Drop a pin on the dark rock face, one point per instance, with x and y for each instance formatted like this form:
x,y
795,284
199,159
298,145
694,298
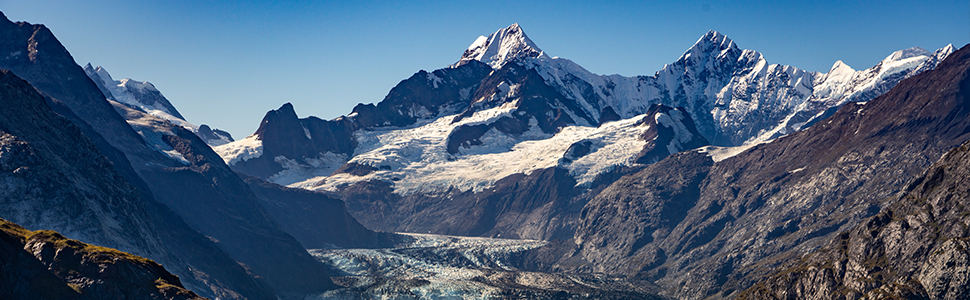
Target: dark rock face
x,y
206,193
536,99
917,248
208,133
45,265
542,204
355,169
423,95
285,135
231,214
314,219
640,208
609,115
761,207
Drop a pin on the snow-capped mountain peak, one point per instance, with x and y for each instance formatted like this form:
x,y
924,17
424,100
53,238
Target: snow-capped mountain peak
x,y
718,83
840,68
711,43
907,53
139,94
144,97
504,45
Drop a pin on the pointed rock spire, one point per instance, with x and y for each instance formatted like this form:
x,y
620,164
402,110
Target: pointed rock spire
x,y
504,45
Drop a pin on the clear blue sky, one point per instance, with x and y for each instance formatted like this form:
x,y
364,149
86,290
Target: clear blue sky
x,y
225,63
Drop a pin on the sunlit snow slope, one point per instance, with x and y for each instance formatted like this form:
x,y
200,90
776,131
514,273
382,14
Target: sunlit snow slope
x,y
143,96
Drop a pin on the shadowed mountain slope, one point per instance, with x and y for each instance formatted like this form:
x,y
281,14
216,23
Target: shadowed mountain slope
x,y
170,164
753,211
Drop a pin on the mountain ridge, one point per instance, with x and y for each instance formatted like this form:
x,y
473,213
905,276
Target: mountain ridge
x,y
55,177
505,97
143,95
761,207
159,157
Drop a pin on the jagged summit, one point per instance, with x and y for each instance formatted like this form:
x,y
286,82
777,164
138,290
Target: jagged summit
x,y
711,42
505,44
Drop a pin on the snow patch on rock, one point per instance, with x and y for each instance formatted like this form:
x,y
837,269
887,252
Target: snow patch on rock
x,y
294,171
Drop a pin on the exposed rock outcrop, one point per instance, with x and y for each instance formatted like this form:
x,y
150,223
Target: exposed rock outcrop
x,y
45,265
917,248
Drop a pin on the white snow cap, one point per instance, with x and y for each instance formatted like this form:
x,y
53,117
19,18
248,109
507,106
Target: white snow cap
x,y
504,45
840,69
907,53
708,43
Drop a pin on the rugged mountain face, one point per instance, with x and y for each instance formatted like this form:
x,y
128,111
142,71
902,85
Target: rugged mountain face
x,y
142,95
55,177
735,96
534,197
285,146
40,150
286,149
624,220
45,265
709,235
914,249
172,165
439,135
504,45
215,201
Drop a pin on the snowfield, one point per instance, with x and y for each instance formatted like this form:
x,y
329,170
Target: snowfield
x,y
241,150
417,161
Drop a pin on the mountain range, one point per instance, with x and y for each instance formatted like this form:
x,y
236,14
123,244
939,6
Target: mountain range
x,y
713,231
481,129
720,176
